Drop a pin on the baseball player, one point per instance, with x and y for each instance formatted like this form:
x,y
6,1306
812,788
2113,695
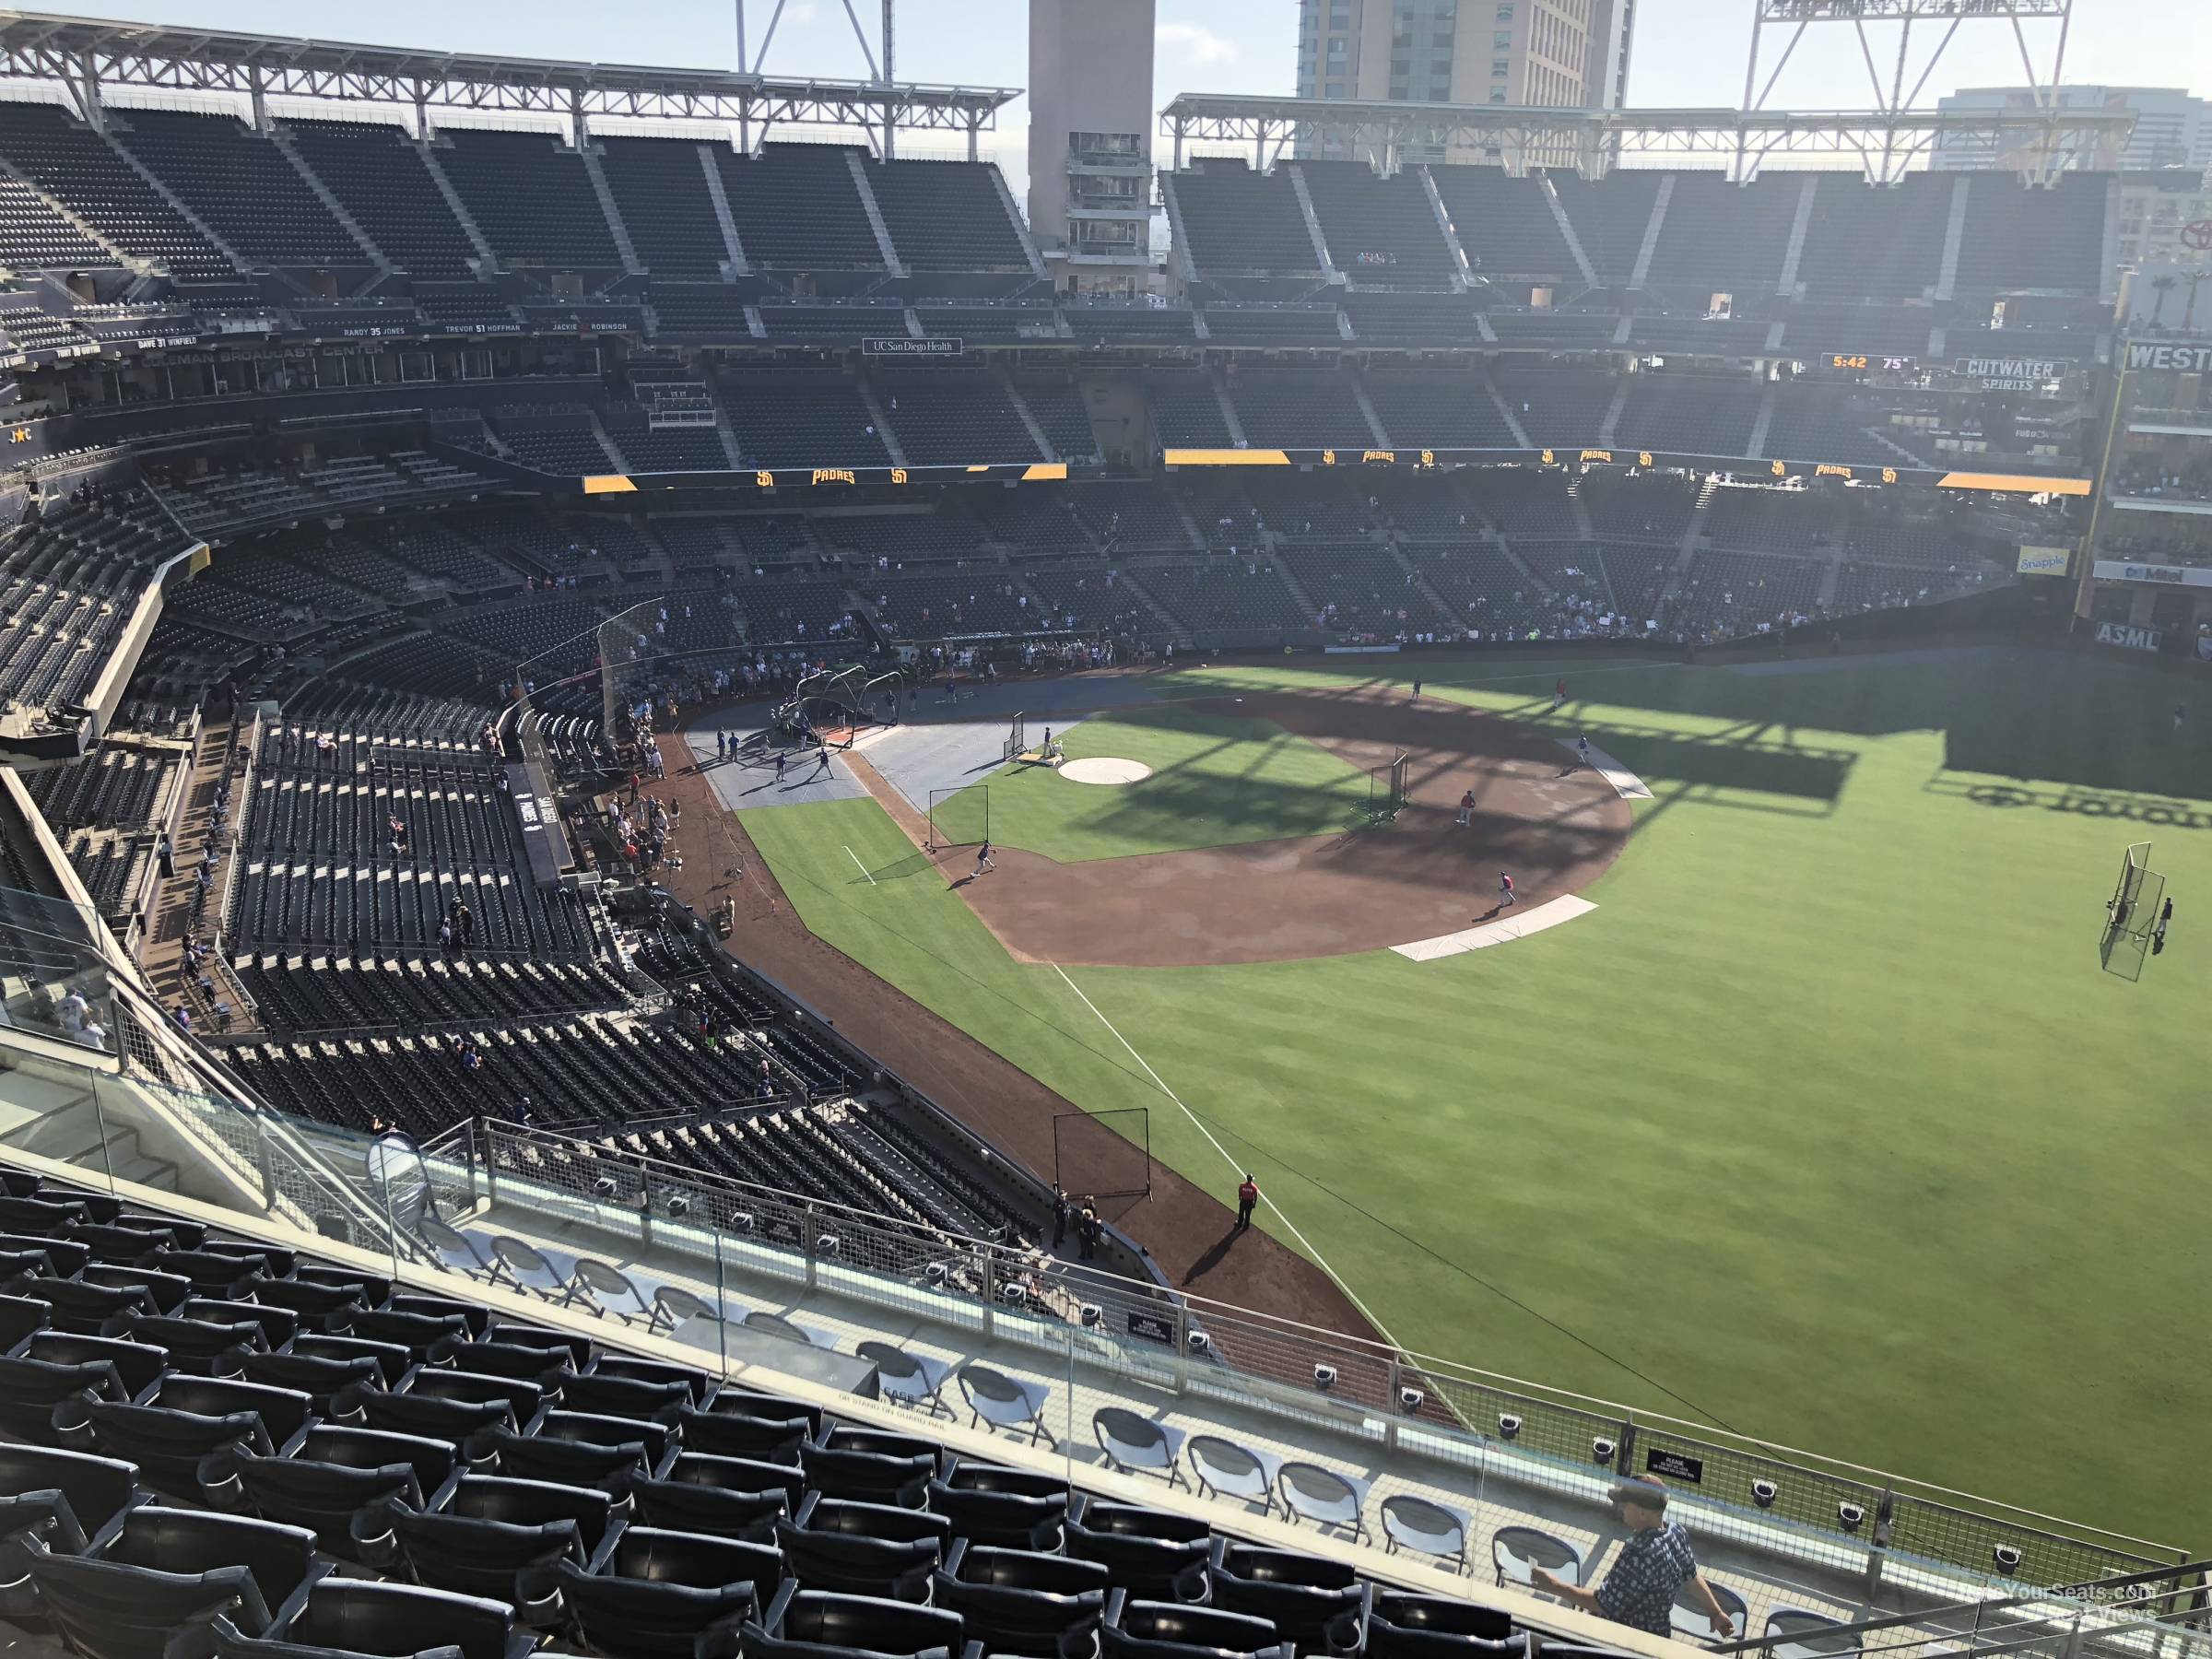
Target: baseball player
x,y
1581,748
1466,809
1505,890
1558,694
983,861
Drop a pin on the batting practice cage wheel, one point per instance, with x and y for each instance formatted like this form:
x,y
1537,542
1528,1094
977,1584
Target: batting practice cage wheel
x,y
2132,915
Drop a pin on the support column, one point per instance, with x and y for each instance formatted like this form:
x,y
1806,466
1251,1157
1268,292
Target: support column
x,y
89,106
890,114
579,134
259,94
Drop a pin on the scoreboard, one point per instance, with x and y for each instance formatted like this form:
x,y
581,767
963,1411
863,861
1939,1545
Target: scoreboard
x,y
1868,362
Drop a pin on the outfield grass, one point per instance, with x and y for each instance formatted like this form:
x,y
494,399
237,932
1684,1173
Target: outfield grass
x,y
1825,1126
1217,780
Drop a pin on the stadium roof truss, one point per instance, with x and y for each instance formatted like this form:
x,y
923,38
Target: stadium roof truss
x,y
1887,143
88,55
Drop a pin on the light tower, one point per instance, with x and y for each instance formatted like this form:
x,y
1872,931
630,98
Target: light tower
x,y
1874,22
879,64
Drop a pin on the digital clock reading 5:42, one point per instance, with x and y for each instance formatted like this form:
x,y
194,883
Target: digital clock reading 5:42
x,y
1865,361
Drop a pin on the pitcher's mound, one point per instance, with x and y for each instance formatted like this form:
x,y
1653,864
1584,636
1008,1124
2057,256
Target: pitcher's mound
x,y
1105,769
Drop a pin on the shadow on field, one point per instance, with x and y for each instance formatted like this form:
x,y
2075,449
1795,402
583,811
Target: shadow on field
x,y
900,869
2009,712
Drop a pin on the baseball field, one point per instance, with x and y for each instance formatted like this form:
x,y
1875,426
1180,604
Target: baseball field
x,y
1827,1124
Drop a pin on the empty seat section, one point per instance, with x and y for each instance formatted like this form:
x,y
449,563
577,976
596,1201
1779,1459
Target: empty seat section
x,y
34,237
955,418
946,216
244,188
1881,242
1377,230
1505,225
1689,414
796,207
1610,218
659,189
77,167
377,173
1300,408
530,195
1720,237
1439,411
2017,237
802,420
1242,222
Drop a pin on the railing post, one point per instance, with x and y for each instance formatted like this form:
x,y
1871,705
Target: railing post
x,y
264,1160
1390,1409
1877,1554
989,1278
644,1211
491,1165
806,1237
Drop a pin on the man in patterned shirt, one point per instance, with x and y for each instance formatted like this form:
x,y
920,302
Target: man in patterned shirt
x,y
1655,1563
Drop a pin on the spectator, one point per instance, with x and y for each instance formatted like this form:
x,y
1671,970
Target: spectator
x,y
1655,1563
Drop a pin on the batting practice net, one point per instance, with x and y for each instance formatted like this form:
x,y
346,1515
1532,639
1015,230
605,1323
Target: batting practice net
x,y
1386,789
2131,915
1103,1154
959,817
1017,741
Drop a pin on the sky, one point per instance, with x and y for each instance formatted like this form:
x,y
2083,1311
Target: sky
x,y
1688,52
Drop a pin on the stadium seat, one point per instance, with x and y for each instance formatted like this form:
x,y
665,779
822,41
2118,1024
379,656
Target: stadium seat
x,y
1517,1551
1427,1528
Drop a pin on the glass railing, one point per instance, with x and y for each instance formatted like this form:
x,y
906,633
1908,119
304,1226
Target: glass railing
x,y
1102,1372
53,971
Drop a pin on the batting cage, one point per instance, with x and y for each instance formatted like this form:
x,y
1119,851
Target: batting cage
x,y
1386,789
631,658
1103,1154
1017,738
2131,914
959,817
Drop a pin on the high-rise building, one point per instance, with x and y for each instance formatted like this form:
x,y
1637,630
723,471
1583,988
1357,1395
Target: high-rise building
x,y
1091,141
1555,52
2172,128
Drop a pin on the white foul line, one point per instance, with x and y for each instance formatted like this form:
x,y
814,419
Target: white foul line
x,y
1162,1084
863,868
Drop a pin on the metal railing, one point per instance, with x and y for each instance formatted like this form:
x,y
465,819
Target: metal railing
x,y
1113,1339
2124,1616
1863,1524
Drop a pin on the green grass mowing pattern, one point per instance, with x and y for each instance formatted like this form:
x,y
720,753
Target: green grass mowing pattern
x,y
1825,1126
901,919
1216,779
